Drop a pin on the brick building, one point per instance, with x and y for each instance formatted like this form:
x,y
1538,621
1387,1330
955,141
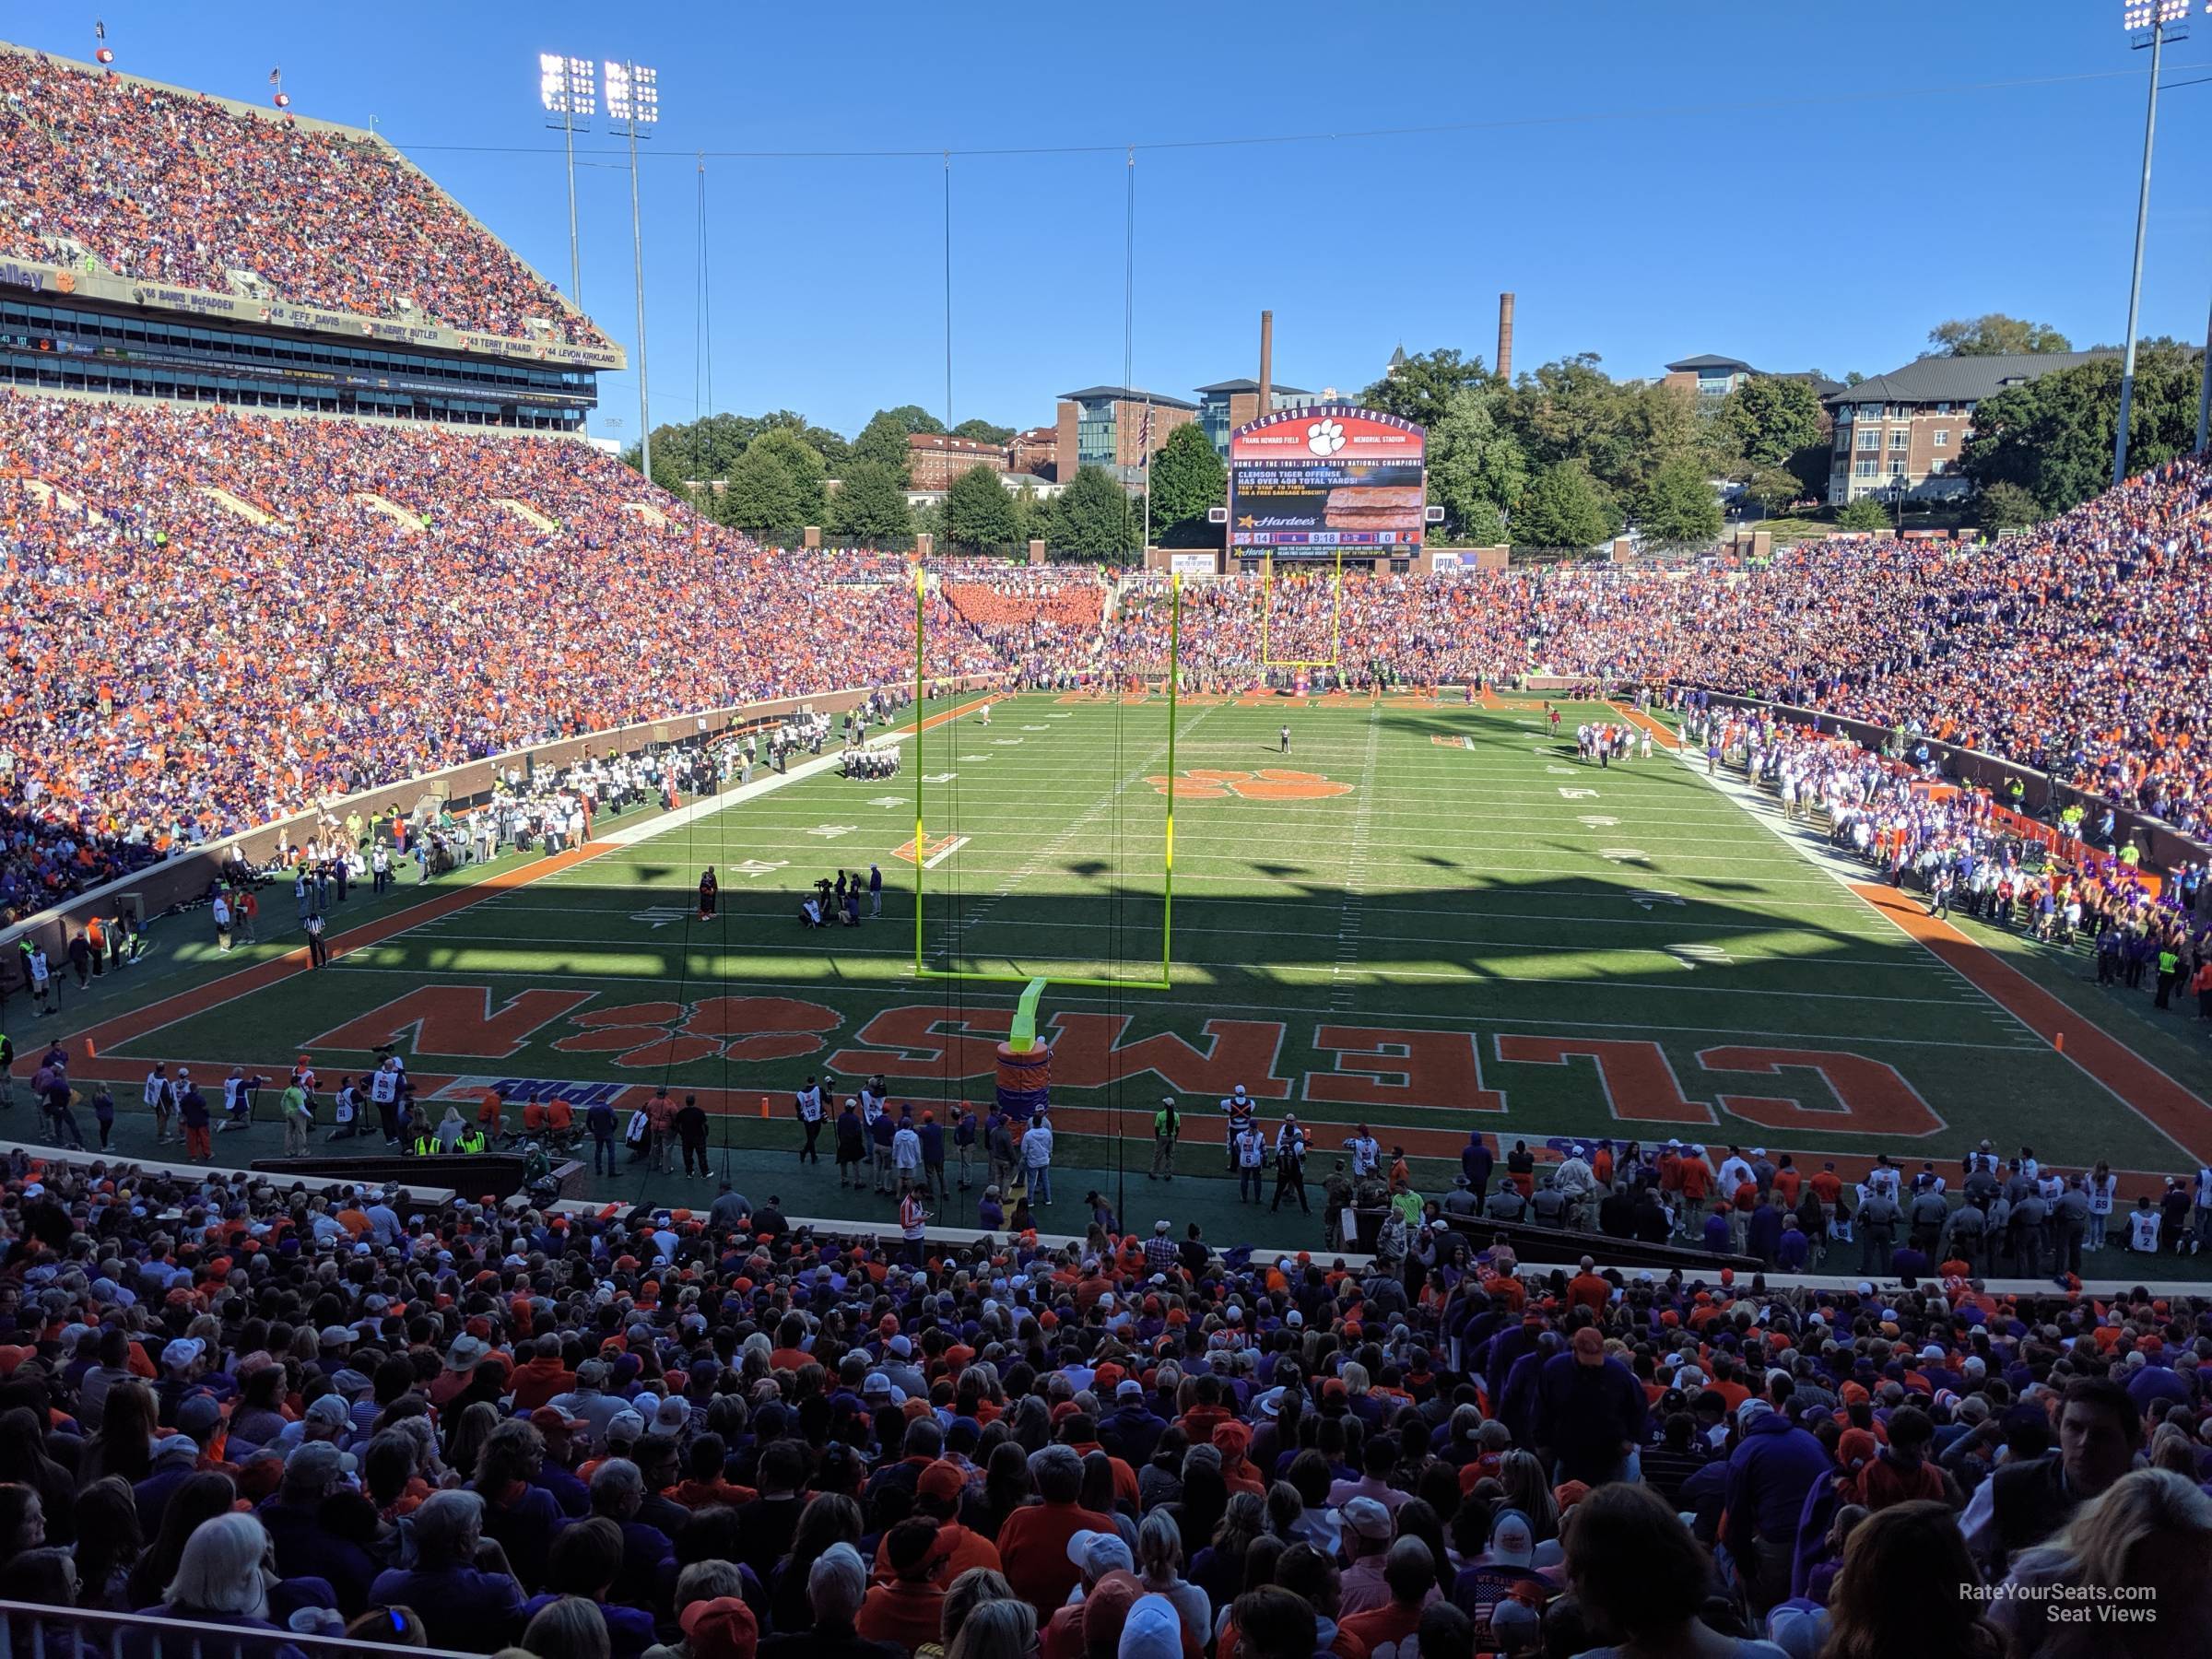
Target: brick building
x,y
1227,404
934,461
1715,377
1036,452
1105,426
1904,429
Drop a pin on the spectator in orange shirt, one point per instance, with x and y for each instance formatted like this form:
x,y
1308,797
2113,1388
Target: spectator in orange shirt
x,y
1588,1289
542,1376
938,1491
1696,1178
1788,1181
907,1612
1034,1540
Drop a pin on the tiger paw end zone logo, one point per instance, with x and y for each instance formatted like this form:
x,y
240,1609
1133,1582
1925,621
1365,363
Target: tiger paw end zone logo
x,y
1269,783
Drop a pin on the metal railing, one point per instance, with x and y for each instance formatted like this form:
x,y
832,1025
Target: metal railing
x,y
32,1630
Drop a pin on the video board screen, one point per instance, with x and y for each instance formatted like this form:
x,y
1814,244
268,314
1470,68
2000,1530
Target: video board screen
x,y
1316,481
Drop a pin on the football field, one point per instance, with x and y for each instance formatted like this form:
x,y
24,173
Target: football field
x,y
1429,917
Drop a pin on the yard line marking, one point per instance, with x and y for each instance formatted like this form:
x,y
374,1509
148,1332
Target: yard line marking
x,y
935,859
952,943
1349,918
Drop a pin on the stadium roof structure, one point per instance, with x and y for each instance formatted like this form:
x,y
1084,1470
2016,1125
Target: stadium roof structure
x,y
1706,360
1253,385
1127,394
1962,379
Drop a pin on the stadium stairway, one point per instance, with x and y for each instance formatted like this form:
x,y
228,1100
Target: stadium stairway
x,y
235,504
527,513
408,521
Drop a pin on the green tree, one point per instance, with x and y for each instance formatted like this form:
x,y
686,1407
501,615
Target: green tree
x,y
1864,514
1774,488
1811,465
2007,507
1032,517
1092,518
2053,436
1480,524
761,498
1571,410
1187,479
809,474
707,448
930,521
1770,420
1475,468
883,439
1563,507
978,513
1678,507
869,507
1993,335
1421,387
983,431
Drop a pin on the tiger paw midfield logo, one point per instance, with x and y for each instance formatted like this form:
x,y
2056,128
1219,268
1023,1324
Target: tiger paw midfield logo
x,y
1269,783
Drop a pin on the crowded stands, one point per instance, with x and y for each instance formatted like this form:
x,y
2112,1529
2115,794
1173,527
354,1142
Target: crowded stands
x,y
187,665
165,187
2075,648
276,1410
502,569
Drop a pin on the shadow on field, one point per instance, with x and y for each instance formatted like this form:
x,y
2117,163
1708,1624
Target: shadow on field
x,y
1660,934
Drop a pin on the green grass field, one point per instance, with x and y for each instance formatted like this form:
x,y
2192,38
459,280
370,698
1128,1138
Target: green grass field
x,y
1443,921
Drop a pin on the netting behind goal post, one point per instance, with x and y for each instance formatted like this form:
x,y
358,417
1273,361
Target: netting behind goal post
x,y
948,815
1269,631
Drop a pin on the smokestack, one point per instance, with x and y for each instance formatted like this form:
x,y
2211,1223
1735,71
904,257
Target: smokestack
x,y
1266,366
1505,336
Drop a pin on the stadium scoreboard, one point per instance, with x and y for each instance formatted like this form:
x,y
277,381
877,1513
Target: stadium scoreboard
x,y
1327,480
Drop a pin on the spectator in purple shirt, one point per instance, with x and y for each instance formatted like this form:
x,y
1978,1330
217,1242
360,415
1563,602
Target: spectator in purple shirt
x,y
460,1584
1591,1413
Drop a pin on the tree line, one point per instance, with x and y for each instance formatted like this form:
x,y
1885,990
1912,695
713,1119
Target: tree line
x,y
1564,457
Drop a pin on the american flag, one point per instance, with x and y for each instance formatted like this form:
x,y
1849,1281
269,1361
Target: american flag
x,y
275,77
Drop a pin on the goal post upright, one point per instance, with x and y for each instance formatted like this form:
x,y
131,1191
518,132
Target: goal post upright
x,y
1167,866
1336,657
921,629
920,849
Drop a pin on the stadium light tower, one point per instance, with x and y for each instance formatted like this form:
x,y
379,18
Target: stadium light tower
x,y
2154,22
569,91
633,99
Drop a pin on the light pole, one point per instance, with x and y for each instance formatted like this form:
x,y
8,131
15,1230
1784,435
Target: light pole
x,y
634,98
2163,19
568,90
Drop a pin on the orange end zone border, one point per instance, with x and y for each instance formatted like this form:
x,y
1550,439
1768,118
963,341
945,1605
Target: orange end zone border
x,y
2139,1084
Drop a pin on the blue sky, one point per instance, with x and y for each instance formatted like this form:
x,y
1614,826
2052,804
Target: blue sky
x,y
1799,185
